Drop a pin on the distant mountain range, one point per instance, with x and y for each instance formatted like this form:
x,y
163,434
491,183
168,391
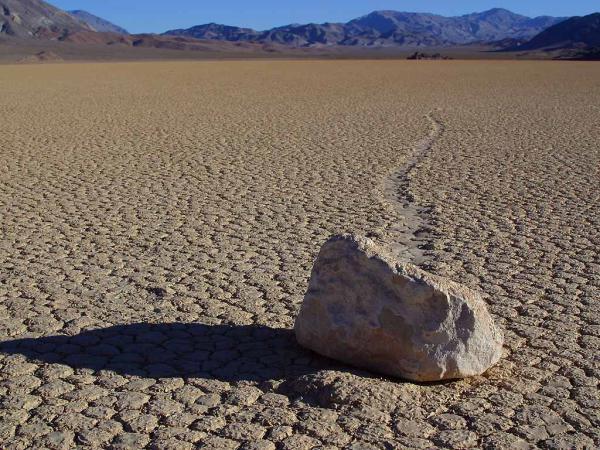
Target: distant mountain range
x,y
387,29
495,29
97,23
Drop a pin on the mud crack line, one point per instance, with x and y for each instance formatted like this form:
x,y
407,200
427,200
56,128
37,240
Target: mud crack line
x,y
410,235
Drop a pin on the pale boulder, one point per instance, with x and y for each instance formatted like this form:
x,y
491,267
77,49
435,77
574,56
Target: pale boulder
x,y
366,309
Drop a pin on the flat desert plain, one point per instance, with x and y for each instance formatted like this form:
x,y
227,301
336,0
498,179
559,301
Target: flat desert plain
x,y
159,223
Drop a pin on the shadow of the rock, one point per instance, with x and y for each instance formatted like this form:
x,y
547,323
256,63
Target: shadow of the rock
x,y
224,352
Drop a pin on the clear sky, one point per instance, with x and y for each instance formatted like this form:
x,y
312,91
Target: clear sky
x,y
161,15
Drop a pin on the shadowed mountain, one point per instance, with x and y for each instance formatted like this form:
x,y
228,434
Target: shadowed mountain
x,y
388,28
417,28
289,35
577,32
305,35
216,32
592,54
97,23
35,18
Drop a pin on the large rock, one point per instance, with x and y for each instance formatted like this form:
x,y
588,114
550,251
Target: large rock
x,y
366,309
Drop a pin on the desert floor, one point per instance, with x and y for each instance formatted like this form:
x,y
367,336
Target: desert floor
x,y
159,223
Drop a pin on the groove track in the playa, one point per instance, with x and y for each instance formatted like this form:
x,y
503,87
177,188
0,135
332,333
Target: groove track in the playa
x,y
409,235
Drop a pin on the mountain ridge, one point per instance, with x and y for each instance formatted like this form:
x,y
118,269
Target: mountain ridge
x,y
576,32
386,28
97,23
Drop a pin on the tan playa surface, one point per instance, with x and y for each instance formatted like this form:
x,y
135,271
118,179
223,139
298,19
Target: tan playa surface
x,y
159,222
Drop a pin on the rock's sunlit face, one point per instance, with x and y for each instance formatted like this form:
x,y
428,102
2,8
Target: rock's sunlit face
x,y
365,308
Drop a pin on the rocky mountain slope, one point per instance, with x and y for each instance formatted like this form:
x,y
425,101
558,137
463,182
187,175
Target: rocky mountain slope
x,y
387,28
36,18
577,32
97,23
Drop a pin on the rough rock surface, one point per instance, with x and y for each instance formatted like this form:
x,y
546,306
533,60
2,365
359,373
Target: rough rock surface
x,y
366,309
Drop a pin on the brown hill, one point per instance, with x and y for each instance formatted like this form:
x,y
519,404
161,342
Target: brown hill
x,y
43,56
158,42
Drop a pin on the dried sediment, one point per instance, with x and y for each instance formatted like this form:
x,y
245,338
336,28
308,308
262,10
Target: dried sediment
x,y
192,197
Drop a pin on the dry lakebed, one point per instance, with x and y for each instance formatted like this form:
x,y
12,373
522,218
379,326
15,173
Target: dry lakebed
x,y
159,222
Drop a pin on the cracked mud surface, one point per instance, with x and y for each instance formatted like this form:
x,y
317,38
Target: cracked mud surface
x,y
159,223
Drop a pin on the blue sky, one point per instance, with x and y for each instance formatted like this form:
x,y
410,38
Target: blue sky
x,y
160,15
